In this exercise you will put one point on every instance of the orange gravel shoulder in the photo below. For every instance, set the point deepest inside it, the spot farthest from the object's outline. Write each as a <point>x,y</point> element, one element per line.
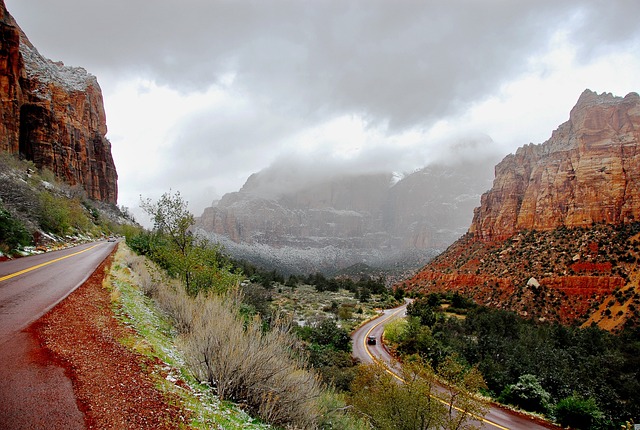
<point>113,385</point>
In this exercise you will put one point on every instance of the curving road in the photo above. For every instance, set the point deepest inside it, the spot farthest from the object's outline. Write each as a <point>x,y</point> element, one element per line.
<point>35,393</point>
<point>496,417</point>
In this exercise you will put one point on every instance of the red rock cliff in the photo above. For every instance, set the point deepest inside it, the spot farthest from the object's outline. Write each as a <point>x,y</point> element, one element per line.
<point>587,172</point>
<point>557,237</point>
<point>53,115</point>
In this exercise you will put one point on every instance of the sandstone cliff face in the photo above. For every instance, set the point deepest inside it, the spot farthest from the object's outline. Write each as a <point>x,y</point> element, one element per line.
<point>335,223</point>
<point>557,235</point>
<point>53,115</point>
<point>587,172</point>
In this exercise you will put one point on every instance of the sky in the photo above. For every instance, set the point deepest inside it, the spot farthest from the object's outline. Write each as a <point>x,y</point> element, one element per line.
<point>200,94</point>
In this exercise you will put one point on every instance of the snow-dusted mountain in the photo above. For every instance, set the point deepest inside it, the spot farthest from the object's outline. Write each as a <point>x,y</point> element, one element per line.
<point>286,220</point>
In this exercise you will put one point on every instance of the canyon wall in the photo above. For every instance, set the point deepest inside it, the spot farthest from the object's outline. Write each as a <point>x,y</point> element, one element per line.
<point>53,115</point>
<point>587,172</point>
<point>557,236</point>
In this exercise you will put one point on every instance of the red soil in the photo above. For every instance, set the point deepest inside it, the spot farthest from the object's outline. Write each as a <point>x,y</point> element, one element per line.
<point>112,385</point>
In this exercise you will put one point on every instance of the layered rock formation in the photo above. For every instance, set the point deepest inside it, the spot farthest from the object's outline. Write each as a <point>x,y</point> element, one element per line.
<point>557,235</point>
<point>285,221</point>
<point>587,172</point>
<point>53,115</point>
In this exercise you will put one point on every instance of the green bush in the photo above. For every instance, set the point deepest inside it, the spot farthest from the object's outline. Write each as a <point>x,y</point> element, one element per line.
<point>527,394</point>
<point>394,330</point>
<point>141,243</point>
<point>421,309</point>
<point>55,216</point>
<point>578,413</point>
<point>12,232</point>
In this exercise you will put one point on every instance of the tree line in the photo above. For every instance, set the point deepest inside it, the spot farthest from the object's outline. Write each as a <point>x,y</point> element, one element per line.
<point>586,378</point>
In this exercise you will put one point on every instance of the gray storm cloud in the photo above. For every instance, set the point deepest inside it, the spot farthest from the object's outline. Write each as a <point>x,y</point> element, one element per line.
<point>294,65</point>
<point>395,63</point>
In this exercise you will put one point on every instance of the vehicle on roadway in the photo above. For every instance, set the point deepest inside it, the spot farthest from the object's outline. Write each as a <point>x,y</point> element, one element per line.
<point>111,239</point>
<point>371,340</point>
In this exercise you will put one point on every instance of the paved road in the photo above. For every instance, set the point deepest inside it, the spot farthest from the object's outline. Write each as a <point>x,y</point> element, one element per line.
<point>30,286</point>
<point>496,418</point>
<point>35,393</point>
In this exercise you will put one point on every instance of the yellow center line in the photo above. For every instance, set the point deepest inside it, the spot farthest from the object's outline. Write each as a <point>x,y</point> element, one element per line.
<point>29,269</point>
<point>390,372</point>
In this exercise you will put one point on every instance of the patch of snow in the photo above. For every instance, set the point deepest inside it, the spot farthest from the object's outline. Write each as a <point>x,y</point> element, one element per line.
<point>396,177</point>
<point>44,71</point>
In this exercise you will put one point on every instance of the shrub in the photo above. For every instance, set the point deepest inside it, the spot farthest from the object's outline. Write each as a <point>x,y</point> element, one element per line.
<point>250,365</point>
<point>12,232</point>
<point>54,216</point>
<point>140,242</point>
<point>78,215</point>
<point>327,333</point>
<point>390,405</point>
<point>420,308</point>
<point>578,413</point>
<point>527,394</point>
<point>394,330</point>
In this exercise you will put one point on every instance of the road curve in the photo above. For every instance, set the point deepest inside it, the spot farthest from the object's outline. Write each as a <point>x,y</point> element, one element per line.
<point>496,417</point>
<point>35,392</point>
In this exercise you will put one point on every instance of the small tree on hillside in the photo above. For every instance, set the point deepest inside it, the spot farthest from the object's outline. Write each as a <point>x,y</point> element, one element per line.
<point>171,223</point>
<point>194,260</point>
<point>413,403</point>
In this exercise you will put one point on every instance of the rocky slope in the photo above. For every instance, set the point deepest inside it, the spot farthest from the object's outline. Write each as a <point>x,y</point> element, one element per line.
<point>284,221</point>
<point>53,115</point>
<point>557,235</point>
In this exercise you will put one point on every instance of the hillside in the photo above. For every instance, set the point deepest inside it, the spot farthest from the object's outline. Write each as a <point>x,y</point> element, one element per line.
<point>59,181</point>
<point>556,238</point>
<point>39,212</point>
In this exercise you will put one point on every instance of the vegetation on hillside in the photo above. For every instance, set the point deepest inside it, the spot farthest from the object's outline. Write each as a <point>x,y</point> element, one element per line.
<point>548,274</point>
<point>38,210</point>
<point>573,375</point>
<point>228,346</point>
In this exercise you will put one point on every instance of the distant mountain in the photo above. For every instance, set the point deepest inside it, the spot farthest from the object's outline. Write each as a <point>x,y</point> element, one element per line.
<point>557,237</point>
<point>283,219</point>
<point>53,115</point>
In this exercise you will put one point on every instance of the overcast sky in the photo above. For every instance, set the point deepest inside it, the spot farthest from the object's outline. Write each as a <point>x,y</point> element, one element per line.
<point>199,94</point>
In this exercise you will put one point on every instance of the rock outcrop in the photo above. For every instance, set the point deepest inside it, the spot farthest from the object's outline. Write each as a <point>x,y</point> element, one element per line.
<point>53,115</point>
<point>587,172</point>
<point>557,235</point>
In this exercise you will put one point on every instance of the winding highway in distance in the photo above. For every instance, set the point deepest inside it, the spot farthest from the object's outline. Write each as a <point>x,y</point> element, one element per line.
<point>496,417</point>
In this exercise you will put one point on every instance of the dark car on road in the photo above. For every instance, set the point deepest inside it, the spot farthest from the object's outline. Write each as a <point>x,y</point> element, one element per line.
<point>371,340</point>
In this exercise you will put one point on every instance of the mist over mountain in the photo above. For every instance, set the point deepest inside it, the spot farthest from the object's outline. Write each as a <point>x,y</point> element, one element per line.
<point>301,218</point>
